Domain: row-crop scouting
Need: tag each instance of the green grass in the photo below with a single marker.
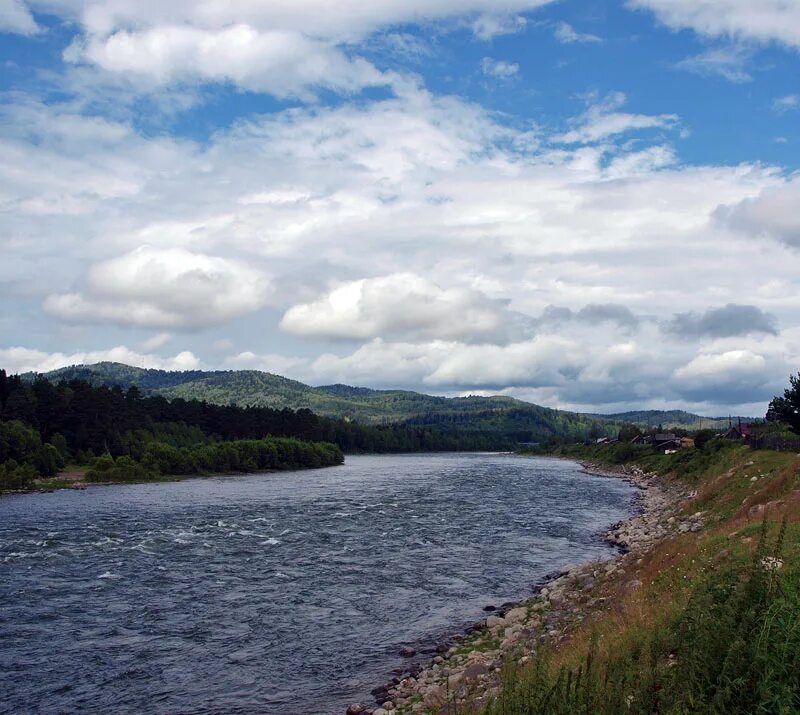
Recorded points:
(734, 649)
(710, 630)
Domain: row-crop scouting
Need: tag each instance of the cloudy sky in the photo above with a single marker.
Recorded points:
(591, 204)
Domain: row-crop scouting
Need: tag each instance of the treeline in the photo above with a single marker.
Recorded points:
(245, 455)
(519, 424)
(44, 426)
(108, 419)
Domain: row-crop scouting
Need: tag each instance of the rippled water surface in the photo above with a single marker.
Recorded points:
(274, 593)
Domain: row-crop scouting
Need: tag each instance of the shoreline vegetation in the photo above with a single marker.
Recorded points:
(698, 612)
(124, 436)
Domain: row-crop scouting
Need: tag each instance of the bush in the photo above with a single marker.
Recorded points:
(123, 469)
(48, 460)
(703, 437)
(16, 476)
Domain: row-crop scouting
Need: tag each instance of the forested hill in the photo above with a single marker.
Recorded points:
(519, 421)
(672, 418)
(263, 389)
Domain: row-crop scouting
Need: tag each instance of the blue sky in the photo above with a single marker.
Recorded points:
(586, 204)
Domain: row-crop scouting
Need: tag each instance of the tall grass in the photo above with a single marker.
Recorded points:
(734, 650)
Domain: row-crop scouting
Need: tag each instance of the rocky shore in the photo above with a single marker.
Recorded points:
(464, 673)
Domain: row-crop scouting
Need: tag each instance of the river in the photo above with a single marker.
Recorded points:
(287, 592)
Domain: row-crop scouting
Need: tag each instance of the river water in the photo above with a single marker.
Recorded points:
(286, 592)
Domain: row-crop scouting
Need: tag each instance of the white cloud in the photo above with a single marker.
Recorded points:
(288, 48)
(276, 364)
(19, 359)
(602, 120)
(574, 368)
(722, 365)
(400, 304)
(489, 25)
(499, 68)
(283, 63)
(431, 186)
(735, 375)
(771, 214)
(760, 20)
(16, 18)
(787, 103)
(169, 287)
(154, 342)
(564, 32)
(726, 62)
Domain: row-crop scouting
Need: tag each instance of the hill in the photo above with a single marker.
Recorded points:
(671, 418)
(521, 421)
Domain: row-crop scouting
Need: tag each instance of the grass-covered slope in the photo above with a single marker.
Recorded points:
(706, 621)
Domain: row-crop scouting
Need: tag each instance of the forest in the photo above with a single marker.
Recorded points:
(124, 434)
(517, 420)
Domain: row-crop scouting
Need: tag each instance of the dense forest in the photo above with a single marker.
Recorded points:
(123, 433)
(515, 419)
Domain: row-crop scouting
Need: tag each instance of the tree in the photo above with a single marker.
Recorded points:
(703, 437)
(787, 408)
(628, 432)
(5, 389)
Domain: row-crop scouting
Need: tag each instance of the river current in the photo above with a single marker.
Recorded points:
(287, 592)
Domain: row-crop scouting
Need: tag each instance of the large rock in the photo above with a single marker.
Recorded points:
(516, 615)
(407, 652)
(355, 709)
(474, 670)
(435, 696)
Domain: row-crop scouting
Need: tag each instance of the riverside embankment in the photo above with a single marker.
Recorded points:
(465, 672)
(706, 552)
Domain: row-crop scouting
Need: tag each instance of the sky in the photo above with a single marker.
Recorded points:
(591, 205)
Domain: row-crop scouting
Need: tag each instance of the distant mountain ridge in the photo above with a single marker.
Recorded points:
(671, 418)
(524, 421)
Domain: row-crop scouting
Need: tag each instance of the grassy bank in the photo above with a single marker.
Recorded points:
(702, 622)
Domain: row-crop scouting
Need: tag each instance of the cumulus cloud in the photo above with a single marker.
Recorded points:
(762, 21)
(171, 287)
(724, 322)
(602, 120)
(771, 214)
(19, 359)
(565, 33)
(436, 187)
(726, 62)
(401, 304)
(266, 362)
(283, 63)
(499, 68)
(733, 376)
(16, 18)
(592, 314)
(288, 49)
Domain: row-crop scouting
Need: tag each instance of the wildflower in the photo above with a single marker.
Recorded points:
(770, 563)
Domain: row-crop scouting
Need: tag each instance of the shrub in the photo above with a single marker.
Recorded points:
(16, 476)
